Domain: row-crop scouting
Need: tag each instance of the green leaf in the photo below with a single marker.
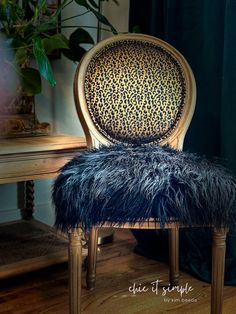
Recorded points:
(94, 4)
(31, 81)
(59, 9)
(51, 25)
(36, 13)
(115, 1)
(80, 36)
(42, 61)
(54, 42)
(83, 3)
(98, 15)
(29, 32)
(103, 20)
(43, 5)
(3, 12)
(21, 55)
(74, 54)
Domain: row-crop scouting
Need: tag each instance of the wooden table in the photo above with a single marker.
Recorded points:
(23, 160)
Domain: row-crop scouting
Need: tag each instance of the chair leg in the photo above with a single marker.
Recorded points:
(92, 258)
(218, 266)
(75, 271)
(174, 256)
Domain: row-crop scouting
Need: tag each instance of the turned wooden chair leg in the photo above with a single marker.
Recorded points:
(92, 258)
(174, 256)
(75, 271)
(218, 268)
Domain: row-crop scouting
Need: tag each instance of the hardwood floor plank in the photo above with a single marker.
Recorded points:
(46, 291)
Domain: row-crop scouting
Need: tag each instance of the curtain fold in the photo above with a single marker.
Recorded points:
(228, 89)
(204, 31)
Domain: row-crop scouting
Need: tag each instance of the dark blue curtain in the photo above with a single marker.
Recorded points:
(205, 32)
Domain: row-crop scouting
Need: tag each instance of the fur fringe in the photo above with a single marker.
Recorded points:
(119, 184)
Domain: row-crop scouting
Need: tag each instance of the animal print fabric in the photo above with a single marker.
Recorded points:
(135, 92)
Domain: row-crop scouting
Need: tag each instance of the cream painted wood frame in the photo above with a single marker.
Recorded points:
(93, 136)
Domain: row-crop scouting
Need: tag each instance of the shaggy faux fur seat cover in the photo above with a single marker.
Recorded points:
(122, 184)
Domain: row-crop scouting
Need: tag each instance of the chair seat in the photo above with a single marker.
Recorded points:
(120, 184)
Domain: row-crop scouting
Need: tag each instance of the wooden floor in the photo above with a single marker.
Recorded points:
(118, 269)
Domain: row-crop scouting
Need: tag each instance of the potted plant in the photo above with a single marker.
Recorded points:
(31, 29)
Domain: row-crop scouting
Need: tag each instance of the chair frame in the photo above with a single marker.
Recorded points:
(93, 136)
(94, 139)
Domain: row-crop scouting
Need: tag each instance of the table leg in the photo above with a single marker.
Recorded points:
(26, 199)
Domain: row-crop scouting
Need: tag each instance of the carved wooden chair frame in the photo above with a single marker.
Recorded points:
(94, 139)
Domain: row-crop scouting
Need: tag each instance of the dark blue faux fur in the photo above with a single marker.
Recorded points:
(129, 184)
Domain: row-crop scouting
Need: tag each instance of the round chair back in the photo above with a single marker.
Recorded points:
(134, 89)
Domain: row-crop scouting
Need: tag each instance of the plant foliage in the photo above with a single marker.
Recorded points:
(31, 30)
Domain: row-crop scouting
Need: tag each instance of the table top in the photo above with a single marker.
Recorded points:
(31, 158)
(41, 144)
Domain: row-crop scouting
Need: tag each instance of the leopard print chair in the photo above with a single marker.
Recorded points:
(136, 90)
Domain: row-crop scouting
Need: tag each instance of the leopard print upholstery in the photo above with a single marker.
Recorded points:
(135, 92)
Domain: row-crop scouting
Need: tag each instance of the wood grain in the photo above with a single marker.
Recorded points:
(31, 158)
(40, 143)
(29, 245)
(118, 267)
